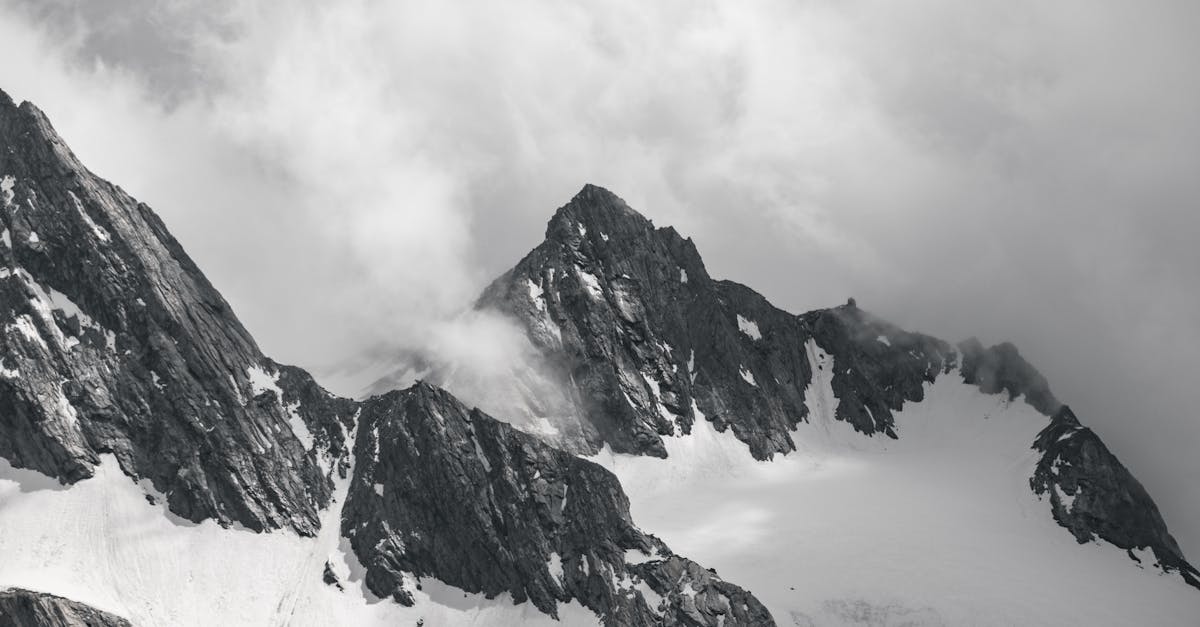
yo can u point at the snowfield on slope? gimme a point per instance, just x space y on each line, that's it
939 527
101 543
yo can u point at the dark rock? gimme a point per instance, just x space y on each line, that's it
630 319
632 322
23 608
1094 496
330 578
447 492
114 342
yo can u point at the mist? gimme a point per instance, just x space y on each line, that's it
350 175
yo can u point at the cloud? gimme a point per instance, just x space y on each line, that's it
350 174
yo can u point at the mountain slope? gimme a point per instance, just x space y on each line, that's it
153 463
114 342
651 345
23 608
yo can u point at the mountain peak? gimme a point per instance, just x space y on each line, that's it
599 211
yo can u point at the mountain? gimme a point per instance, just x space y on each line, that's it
156 466
672 373
23 608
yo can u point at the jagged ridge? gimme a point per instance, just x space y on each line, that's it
114 342
648 341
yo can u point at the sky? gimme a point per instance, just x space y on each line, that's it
351 174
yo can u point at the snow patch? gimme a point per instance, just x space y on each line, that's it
535 294
6 238
749 327
554 563
604 236
6 189
378 489
683 276
883 339
33 237
636 556
262 381
100 233
747 376
590 282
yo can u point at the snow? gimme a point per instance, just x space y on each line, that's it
101 543
591 283
25 326
262 381
33 237
556 567
883 339
6 188
683 275
47 300
6 238
6 372
747 376
582 229
378 489
154 378
749 327
100 233
535 294
939 527
604 236
635 556
692 365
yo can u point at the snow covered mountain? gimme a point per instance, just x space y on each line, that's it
909 471
155 467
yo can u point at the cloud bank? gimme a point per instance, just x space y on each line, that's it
351 174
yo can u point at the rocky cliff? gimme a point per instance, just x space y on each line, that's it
23 608
113 342
631 322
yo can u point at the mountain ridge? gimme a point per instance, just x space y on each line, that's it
647 339
116 348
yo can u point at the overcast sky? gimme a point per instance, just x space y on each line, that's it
350 174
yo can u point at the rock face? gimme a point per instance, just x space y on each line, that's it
22 608
112 341
635 325
648 342
1093 495
444 491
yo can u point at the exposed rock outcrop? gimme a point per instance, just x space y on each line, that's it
1094 496
629 316
24 608
447 492
113 341
646 341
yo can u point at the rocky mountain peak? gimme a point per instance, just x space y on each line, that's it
595 208
648 344
115 343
